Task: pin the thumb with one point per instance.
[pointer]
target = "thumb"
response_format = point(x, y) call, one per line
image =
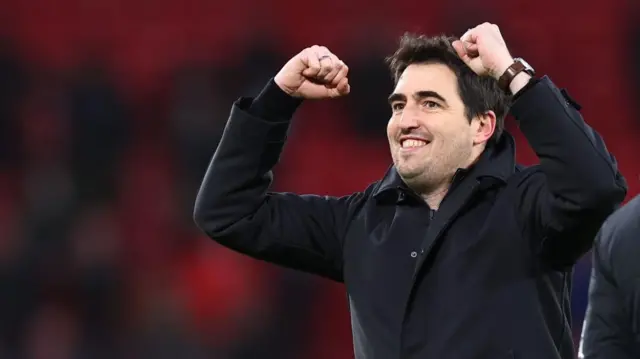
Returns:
point(342, 89)
point(461, 51)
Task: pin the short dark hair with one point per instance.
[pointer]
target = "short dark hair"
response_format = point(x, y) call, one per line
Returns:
point(478, 93)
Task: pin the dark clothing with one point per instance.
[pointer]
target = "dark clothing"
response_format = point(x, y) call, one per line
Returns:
point(487, 276)
point(612, 324)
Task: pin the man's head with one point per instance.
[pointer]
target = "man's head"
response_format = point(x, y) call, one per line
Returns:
point(443, 114)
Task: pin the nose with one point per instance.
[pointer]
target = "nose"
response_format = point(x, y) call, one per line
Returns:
point(409, 118)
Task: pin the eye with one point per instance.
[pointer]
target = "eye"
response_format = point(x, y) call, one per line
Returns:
point(431, 104)
point(398, 106)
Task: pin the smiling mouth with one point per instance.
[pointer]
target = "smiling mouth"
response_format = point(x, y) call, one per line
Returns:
point(411, 143)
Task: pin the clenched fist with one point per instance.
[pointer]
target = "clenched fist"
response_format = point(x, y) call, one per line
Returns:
point(314, 73)
point(483, 49)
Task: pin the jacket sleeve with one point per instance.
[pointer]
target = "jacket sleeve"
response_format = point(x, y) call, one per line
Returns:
point(578, 184)
point(235, 208)
point(613, 314)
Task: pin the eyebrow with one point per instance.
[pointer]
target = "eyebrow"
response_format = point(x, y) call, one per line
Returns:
point(394, 97)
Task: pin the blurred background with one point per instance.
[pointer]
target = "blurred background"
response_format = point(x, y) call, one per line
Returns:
point(111, 109)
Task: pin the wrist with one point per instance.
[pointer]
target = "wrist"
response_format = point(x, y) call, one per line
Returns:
point(278, 81)
point(515, 76)
point(502, 67)
point(274, 104)
point(519, 82)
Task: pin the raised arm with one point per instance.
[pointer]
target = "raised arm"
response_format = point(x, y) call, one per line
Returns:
point(578, 184)
point(234, 206)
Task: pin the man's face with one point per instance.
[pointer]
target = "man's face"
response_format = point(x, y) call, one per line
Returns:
point(429, 135)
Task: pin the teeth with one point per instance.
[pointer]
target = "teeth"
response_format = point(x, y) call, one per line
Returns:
point(413, 143)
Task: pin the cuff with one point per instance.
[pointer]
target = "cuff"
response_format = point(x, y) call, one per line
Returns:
point(532, 82)
point(273, 104)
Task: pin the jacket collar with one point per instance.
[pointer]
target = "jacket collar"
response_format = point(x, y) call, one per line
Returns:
point(497, 162)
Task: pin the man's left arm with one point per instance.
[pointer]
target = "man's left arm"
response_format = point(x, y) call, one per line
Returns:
point(580, 185)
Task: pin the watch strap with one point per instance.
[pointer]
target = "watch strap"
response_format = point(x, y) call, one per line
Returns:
point(510, 73)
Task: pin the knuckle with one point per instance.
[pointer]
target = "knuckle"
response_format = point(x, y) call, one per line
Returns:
point(309, 53)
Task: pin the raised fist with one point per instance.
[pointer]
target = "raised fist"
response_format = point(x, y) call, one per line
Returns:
point(483, 49)
point(314, 73)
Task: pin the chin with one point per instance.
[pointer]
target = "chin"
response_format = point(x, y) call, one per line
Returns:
point(408, 172)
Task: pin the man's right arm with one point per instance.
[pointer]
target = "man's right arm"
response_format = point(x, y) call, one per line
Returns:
point(234, 207)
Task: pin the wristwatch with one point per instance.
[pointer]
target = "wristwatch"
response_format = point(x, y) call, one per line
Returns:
point(518, 66)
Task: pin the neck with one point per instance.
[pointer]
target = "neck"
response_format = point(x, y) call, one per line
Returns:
point(435, 194)
point(435, 197)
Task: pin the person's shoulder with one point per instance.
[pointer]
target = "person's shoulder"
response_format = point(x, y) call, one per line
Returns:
point(625, 220)
point(524, 175)
point(618, 241)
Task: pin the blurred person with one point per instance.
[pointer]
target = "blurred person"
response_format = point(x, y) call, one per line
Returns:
point(161, 330)
point(458, 252)
point(13, 88)
point(374, 83)
point(194, 101)
point(612, 323)
point(53, 333)
point(100, 130)
point(98, 276)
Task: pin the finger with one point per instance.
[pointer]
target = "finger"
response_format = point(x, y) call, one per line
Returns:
point(343, 87)
point(460, 48)
point(466, 36)
point(470, 42)
point(461, 51)
point(490, 27)
point(342, 73)
point(310, 60)
point(486, 25)
point(336, 67)
point(471, 36)
point(326, 62)
point(471, 49)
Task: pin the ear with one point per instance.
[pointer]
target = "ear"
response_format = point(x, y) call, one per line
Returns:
point(483, 127)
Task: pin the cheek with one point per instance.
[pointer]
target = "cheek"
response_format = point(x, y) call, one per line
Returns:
point(454, 131)
point(391, 128)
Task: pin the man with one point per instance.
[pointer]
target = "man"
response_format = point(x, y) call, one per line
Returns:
point(612, 324)
point(456, 252)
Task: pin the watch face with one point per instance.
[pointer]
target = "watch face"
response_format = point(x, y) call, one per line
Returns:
point(527, 67)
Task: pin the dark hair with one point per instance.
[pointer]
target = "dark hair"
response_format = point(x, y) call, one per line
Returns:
point(478, 93)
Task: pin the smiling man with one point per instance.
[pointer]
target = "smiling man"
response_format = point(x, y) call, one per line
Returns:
point(433, 132)
point(457, 252)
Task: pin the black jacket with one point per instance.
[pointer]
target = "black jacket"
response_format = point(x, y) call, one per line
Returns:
point(612, 324)
point(488, 276)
